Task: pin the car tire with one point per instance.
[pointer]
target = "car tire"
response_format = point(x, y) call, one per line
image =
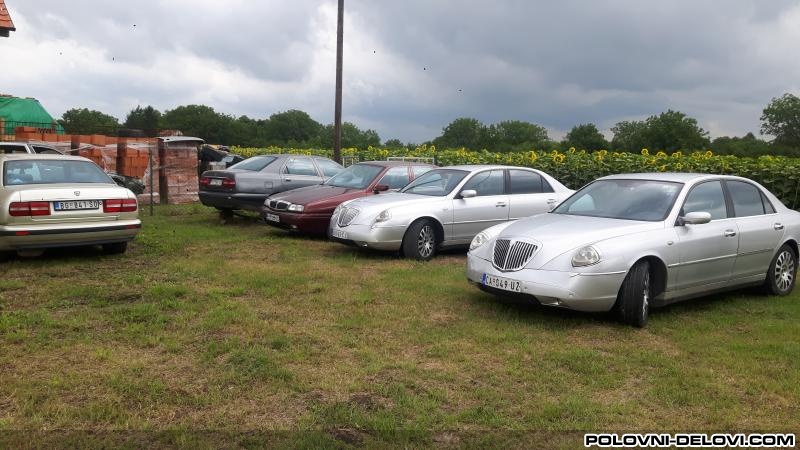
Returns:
point(116, 248)
point(420, 240)
point(782, 272)
point(633, 301)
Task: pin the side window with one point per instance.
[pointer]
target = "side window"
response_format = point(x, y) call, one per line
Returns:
point(328, 167)
point(768, 208)
point(525, 182)
point(419, 170)
point(396, 177)
point(746, 199)
point(707, 197)
point(7, 149)
point(486, 183)
point(300, 166)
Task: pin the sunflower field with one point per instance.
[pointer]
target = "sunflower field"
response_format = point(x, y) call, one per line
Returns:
point(574, 168)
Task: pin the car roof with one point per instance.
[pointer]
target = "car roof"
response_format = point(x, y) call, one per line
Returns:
point(678, 177)
point(396, 163)
point(477, 167)
point(46, 156)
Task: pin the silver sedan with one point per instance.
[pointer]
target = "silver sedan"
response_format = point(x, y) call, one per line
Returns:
point(444, 208)
point(630, 242)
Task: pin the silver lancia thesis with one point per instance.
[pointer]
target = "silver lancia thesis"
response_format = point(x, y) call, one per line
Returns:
point(444, 208)
point(629, 242)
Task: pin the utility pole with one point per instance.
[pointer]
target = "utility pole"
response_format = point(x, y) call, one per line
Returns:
point(337, 120)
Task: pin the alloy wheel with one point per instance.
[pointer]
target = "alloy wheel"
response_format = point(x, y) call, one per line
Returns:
point(784, 270)
point(645, 293)
point(426, 241)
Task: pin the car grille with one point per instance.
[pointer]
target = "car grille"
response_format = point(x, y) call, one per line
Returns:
point(346, 216)
point(512, 255)
point(279, 205)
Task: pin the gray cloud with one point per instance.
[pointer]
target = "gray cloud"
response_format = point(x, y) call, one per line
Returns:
point(413, 66)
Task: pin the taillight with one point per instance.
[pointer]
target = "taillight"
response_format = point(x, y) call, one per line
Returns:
point(119, 205)
point(23, 209)
point(205, 181)
point(229, 182)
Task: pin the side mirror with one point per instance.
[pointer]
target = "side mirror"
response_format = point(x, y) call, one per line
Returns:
point(696, 218)
point(469, 193)
point(380, 188)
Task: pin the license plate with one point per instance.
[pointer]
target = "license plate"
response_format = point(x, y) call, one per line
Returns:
point(273, 218)
point(339, 234)
point(502, 283)
point(215, 182)
point(76, 205)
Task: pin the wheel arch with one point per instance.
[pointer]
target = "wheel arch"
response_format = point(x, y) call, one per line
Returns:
point(437, 227)
point(658, 270)
point(793, 245)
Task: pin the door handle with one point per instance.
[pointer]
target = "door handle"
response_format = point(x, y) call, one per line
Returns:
point(500, 205)
point(730, 233)
point(778, 226)
point(287, 179)
point(550, 201)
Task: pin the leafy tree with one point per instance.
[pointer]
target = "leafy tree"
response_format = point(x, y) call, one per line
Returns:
point(203, 122)
point(147, 119)
point(87, 121)
point(668, 131)
point(585, 137)
point(513, 135)
point(629, 136)
point(781, 118)
point(248, 132)
point(462, 132)
point(750, 145)
point(290, 128)
point(352, 136)
point(393, 143)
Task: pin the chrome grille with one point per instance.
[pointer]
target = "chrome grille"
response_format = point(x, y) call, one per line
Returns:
point(278, 205)
point(346, 216)
point(512, 255)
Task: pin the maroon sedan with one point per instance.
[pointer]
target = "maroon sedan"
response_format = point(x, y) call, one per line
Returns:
point(309, 209)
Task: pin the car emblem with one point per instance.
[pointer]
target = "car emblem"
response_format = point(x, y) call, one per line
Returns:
point(77, 193)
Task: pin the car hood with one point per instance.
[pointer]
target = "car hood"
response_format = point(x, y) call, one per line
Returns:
point(377, 203)
point(311, 194)
point(560, 233)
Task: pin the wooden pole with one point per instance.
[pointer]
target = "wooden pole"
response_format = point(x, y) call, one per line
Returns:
point(337, 120)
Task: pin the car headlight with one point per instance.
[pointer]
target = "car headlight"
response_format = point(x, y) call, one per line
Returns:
point(337, 210)
point(585, 256)
point(480, 239)
point(383, 216)
point(296, 208)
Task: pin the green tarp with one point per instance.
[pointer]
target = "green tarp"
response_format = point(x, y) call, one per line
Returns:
point(22, 112)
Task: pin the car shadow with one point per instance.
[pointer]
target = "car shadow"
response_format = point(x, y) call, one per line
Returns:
point(58, 254)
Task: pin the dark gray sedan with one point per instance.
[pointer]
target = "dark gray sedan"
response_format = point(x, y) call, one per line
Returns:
point(247, 184)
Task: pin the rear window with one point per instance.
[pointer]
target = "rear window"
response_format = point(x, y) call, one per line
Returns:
point(256, 163)
point(30, 171)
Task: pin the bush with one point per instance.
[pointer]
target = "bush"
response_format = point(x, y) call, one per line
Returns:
point(779, 174)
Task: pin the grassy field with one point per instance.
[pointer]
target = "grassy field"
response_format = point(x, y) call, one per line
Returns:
point(216, 335)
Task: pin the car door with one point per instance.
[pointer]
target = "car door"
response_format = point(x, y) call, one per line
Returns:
point(707, 251)
point(529, 194)
point(396, 178)
point(760, 229)
point(299, 171)
point(489, 207)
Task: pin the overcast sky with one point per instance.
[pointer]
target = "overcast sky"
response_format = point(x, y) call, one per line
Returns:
point(412, 66)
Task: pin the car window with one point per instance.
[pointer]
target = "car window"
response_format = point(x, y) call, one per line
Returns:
point(437, 183)
point(52, 171)
point(357, 176)
point(328, 167)
point(300, 166)
point(491, 182)
point(396, 177)
point(527, 182)
point(746, 199)
point(707, 197)
point(768, 208)
point(419, 170)
point(8, 149)
point(256, 163)
point(628, 199)
point(45, 150)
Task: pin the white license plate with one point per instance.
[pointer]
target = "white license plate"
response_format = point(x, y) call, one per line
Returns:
point(501, 283)
point(215, 182)
point(273, 218)
point(339, 234)
point(76, 205)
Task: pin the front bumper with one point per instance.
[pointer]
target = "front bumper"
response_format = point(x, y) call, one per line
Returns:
point(378, 238)
point(314, 223)
point(573, 290)
point(23, 237)
point(232, 200)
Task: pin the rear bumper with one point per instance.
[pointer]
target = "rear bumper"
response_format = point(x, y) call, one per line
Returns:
point(314, 223)
point(21, 237)
point(232, 200)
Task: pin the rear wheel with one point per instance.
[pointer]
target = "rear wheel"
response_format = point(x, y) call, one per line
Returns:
point(633, 301)
point(420, 240)
point(116, 248)
point(782, 272)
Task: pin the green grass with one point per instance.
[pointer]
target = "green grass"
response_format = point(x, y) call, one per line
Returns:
point(298, 342)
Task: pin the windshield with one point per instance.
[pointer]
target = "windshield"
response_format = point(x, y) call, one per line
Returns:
point(644, 200)
point(358, 176)
point(436, 183)
point(30, 171)
point(255, 163)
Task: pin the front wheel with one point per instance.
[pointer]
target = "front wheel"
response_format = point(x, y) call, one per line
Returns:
point(420, 240)
point(116, 248)
point(782, 272)
point(633, 301)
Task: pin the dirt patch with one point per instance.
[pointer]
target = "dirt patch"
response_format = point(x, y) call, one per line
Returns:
point(349, 436)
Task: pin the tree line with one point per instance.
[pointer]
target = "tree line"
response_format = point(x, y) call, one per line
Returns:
point(667, 131)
